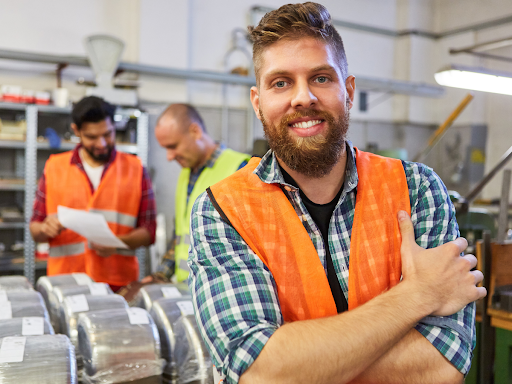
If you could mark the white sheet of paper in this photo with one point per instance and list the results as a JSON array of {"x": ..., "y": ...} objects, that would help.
[
  {"x": 12, "y": 349},
  {"x": 92, "y": 226}
]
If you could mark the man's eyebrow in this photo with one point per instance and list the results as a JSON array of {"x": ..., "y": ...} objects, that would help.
[
  {"x": 282, "y": 72},
  {"x": 325, "y": 67}
]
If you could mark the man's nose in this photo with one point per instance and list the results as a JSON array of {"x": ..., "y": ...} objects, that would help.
[
  {"x": 101, "y": 142},
  {"x": 303, "y": 96},
  {"x": 171, "y": 155}
]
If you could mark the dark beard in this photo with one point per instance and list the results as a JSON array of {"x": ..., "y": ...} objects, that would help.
[
  {"x": 103, "y": 158},
  {"x": 311, "y": 156}
]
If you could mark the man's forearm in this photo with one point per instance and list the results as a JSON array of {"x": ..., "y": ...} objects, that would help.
[
  {"x": 413, "y": 360},
  {"x": 139, "y": 237},
  {"x": 340, "y": 348}
]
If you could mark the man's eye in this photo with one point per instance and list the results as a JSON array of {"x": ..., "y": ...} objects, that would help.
[
  {"x": 322, "y": 79},
  {"x": 280, "y": 84}
]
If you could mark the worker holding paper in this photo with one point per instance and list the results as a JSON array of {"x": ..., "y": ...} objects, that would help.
[{"x": 94, "y": 177}]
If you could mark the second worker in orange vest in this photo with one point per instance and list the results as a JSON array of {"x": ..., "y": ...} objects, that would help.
[
  {"x": 304, "y": 265},
  {"x": 97, "y": 178}
]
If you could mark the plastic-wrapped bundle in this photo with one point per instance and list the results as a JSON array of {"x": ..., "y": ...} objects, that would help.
[
  {"x": 69, "y": 318},
  {"x": 45, "y": 284},
  {"x": 165, "y": 313},
  {"x": 119, "y": 345},
  {"x": 15, "y": 283},
  {"x": 14, "y": 327},
  {"x": 58, "y": 293},
  {"x": 193, "y": 362},
  {"x": 33, "y": 297},
  {"x": 70, "y": 312},
  {"x": 46, "y": 359},
  {"x": 23, "y": 304},
  {"x": 148, "y": 294}
]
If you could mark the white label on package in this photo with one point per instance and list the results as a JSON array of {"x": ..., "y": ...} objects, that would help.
[
  {"x": 171, "y": 292},
  {"x": 3, "y": 296},
  {"x": 185, "y": 307},
  {"x": 5, "y": 310},
  {"x": 12, "y": 349},
  {"x": 77, "y": 303},
  {"x": 81, "y": 279},
  {"x": 137, "y": 316},
  {"x": 98, "y": 289},
  {"x": 32, "y": 326}
]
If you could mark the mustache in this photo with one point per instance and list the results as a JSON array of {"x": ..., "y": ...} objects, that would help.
[{"x": 286, "y": 119}]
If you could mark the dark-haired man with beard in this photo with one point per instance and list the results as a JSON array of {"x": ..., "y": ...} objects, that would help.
[
  {"x": 276, "y": 298},
  {"x": 97, "y": 178}
]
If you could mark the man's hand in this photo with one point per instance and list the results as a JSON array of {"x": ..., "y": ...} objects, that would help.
[
  {"x": 443, "y": 276},
  {"x": 51, "y": 226},
  {"x": 102, "y": 250}
]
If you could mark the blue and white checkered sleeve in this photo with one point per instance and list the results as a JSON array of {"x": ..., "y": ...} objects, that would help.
[
  {"x": 434, "y": 221},
  {"x": 234, "y": 295}
]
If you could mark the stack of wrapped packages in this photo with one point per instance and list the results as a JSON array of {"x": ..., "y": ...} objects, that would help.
[
  {"x": 30, "y": 352},
  {"x": 187, "y": 358},
  {"x": 75, "y": 330}
]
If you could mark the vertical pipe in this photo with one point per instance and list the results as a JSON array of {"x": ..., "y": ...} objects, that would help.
[
  {"x": 143, "y": 154},
  {"x": 487, "y": 336},
  {"x": 224, "y": 133},
  {"x": 30, "y": 189},
  {"x": 503, "y": 215}
]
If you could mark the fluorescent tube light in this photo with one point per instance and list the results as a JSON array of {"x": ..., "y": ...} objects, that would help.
[{"x": 477, "y": 79}]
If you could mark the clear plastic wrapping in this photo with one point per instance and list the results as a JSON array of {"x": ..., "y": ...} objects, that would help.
[
  {"x": 152, "y": 292},
  {"x": 116, "y": 351},
  {"x": 193, "y": 363},
  {"x": 26, "y": 304},
  {"x": 47, "y": 359},
  {"x": 45, "y": 284},
  {"x": 165, "y": 313},
  {"x": 69, "y": 319},
  {"x": 14, "y": 327},
  {"x": 57, "y": 295},
  {"x": 15, "y": 283}
]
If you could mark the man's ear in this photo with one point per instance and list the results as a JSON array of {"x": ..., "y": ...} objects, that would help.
[
  {"x": 195, "y": 130},
  {"x": 350, "y": 84},
  {"x": 255, "y": 101},
  {"x": 75, "y": 129}
]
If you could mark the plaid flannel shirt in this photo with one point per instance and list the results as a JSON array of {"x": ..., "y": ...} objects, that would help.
[{"x": 234, "y": 293}]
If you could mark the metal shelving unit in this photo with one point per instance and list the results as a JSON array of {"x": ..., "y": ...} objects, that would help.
[{"x": 28, "y": 167}]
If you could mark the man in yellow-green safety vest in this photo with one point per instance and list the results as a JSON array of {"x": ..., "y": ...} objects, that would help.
[{"x": 181, "y": 131}]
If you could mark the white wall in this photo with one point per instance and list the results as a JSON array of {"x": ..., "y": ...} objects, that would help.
[{"x": 196, "y": 34}]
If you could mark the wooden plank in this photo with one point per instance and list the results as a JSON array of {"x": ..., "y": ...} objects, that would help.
[{"x": 500, "y": 323}]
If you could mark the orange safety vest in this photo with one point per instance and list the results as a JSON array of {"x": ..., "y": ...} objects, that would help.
[
  {"x": 265, "y": 218},
  {"x": 117, "y": 198}
]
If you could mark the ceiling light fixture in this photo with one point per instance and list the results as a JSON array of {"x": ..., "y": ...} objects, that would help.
[{"x": 477, "y": 79}]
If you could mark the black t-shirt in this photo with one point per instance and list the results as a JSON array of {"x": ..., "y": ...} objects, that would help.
[{"x": 321, "y": 215}]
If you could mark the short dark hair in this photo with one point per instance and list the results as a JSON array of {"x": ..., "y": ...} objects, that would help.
[
  {"x": 294, "y": 21},
  {"x": 185, "y": 114},
  {"x": 92, "y": 109}
]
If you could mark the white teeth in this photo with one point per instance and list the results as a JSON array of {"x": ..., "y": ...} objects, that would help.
[{"x": 306, "y": 124}]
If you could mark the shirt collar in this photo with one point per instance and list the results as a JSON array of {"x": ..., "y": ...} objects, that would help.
[{"x": 269, "y": 172}]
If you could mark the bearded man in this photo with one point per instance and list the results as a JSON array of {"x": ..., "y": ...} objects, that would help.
[
  {"x": 276, "y": 298},
  {"x": 97, "y": 178}
]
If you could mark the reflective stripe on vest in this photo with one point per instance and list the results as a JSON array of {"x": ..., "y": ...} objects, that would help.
[
  {"x": 184, "y": 239},
  {"x": 184, "y": 265},
  {"x": 117, "y": 217},
  {"x": 228, "y": 162},
  {"x": 67, "y": 250},
  {"x": 264, "y": 217}
]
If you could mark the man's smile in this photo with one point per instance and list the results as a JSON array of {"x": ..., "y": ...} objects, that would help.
[{"x": 307, "y": 126}]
